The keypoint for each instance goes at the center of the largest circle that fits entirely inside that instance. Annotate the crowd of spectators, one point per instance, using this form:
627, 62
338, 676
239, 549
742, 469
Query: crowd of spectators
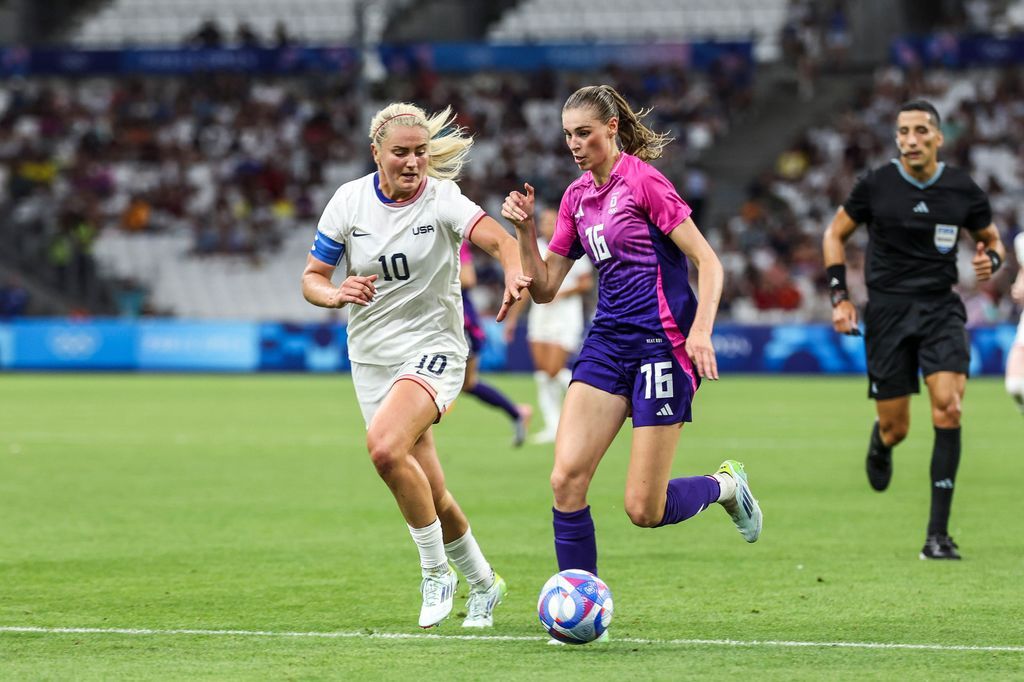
772, 245
239, 162
815, 36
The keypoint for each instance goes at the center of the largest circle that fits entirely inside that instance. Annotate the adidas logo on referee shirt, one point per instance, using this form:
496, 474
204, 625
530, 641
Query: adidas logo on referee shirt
665, 411
921, 207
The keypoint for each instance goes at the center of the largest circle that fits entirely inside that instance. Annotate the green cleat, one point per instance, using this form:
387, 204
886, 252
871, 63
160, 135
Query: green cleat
743, 508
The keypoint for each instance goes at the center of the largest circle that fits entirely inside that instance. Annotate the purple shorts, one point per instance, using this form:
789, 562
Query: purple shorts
658, 388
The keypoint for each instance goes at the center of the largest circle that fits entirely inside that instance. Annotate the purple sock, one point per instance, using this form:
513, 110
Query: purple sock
493, 396
688, 497
575, 544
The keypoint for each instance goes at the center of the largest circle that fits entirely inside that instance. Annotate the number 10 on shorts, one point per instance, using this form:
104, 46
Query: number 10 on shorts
657, 379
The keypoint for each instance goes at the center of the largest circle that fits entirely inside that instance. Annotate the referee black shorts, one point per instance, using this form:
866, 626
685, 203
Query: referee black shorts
906, 337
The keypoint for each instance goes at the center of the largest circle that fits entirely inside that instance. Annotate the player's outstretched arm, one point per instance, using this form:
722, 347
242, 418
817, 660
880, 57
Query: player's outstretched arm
546, 276
492, 238
710, 278
844, 314
318, 289
989, 253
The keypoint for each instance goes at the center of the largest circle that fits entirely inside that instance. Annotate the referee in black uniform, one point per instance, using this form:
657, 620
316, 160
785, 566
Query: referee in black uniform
914, 208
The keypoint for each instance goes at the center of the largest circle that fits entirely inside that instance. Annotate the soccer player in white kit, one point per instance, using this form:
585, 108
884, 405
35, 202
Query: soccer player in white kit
396, 233
555, 331
1015, 361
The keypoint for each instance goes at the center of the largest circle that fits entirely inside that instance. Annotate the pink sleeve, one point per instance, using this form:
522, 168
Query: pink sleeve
566, 240
465, 254
659, 198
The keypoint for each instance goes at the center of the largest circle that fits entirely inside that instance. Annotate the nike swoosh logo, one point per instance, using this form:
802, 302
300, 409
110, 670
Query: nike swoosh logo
357, 233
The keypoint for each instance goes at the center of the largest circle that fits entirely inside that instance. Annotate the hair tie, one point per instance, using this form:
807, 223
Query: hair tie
386, 121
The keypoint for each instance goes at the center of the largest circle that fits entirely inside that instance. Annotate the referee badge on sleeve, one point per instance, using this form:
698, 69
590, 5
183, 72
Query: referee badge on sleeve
945, 237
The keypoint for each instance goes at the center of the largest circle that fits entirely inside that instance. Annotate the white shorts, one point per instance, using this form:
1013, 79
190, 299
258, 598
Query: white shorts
439, 373
1019, 340
555, 323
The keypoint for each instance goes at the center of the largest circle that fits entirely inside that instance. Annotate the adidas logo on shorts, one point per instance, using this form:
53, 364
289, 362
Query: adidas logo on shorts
665, 411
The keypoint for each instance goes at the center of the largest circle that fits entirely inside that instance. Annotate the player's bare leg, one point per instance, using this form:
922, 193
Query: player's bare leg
889, 430
398, 433
591, 419
650, 467
405, 415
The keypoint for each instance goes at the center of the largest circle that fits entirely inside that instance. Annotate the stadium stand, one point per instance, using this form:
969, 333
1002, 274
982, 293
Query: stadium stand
540, 20
220, 23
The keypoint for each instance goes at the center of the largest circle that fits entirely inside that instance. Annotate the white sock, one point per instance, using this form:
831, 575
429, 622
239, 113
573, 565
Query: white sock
466, 555
564, 377
1015, 387
549, 408
726, 485
556, 394
430, 543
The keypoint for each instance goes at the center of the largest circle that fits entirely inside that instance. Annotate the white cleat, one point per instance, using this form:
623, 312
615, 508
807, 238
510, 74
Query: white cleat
543, 437
438, 590
744, 509
480, 607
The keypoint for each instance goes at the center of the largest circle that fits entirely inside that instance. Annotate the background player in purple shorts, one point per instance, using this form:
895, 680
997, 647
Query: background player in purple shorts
475, 335
650, 343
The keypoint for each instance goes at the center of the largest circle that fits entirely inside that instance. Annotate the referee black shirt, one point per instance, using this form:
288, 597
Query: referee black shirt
914, 227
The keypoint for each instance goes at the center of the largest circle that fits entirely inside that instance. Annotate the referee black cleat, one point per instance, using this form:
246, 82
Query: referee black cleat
879, 468
939, 547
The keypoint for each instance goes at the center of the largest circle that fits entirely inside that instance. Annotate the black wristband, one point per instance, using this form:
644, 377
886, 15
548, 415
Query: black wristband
837, 284
996, 260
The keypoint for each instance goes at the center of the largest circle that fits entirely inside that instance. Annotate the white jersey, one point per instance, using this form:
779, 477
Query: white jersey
413, 248
561, 320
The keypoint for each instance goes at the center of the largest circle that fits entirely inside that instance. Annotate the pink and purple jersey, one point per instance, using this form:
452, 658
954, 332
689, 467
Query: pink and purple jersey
645, 303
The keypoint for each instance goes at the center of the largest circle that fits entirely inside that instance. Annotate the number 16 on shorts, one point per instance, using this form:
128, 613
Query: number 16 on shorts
661, 394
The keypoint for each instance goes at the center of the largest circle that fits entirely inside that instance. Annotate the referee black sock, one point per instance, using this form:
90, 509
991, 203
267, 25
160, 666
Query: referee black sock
877, 449
945, 461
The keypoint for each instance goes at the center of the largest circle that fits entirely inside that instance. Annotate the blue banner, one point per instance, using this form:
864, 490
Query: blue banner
24, 62
68, 344
442, 57
779, 349
950, 50
192, 346
167, 345
469, 57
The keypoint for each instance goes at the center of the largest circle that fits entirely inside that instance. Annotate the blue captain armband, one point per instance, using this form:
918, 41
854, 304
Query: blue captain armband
326, 249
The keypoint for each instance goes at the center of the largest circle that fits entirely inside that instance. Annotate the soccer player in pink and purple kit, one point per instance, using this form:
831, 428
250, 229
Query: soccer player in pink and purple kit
650, 343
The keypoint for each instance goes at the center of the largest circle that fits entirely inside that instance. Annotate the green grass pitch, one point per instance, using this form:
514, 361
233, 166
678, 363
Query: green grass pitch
182, 507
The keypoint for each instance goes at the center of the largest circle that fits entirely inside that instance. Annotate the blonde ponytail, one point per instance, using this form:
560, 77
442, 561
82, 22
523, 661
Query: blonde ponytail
448, 145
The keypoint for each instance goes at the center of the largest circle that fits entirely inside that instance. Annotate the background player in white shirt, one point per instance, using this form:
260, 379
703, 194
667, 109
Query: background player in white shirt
1015, 361
396, 233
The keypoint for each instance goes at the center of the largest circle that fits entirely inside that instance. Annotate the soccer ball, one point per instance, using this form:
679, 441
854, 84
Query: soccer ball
575, 606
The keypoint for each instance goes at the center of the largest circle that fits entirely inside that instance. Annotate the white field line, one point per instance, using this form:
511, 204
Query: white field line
502, 638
